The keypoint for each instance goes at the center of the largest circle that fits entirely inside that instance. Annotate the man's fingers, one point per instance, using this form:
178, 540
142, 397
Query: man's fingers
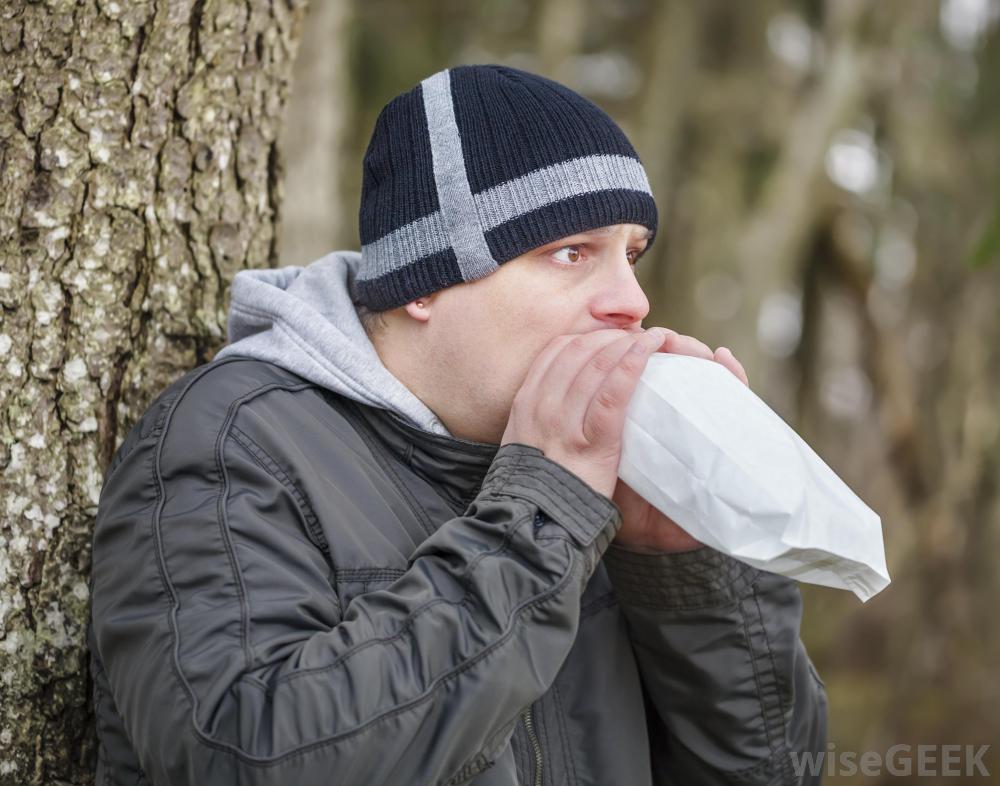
679, 344
725, 356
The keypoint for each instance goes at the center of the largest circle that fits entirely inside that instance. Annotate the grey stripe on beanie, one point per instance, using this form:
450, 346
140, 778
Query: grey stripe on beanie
559, 181
418, 239
454, 194
479, 164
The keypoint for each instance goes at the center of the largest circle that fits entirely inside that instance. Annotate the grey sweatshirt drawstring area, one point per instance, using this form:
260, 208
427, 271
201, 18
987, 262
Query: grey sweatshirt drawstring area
304, 320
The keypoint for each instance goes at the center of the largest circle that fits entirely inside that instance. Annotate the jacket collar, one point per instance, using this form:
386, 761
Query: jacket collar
454, 466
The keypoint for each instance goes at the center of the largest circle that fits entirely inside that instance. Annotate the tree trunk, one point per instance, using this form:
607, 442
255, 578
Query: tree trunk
138, 173
312, 141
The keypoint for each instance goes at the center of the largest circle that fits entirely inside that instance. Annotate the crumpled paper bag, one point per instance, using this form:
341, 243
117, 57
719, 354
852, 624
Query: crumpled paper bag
705, 450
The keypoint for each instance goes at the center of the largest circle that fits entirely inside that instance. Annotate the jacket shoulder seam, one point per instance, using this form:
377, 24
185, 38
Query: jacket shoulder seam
270, 465
152, 433
223, 480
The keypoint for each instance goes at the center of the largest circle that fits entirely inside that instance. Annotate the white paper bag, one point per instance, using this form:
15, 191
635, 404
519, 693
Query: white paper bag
709, 453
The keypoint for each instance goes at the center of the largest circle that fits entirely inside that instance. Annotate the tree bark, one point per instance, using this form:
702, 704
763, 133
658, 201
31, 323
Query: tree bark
138, 173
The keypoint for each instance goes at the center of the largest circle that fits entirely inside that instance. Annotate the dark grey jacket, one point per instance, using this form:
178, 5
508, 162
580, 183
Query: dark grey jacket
290, 587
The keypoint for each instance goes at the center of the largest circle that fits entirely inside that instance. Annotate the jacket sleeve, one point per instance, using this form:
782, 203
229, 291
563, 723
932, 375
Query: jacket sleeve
225, 674
732, 696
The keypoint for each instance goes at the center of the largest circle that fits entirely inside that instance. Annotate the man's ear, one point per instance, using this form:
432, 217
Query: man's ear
420, 308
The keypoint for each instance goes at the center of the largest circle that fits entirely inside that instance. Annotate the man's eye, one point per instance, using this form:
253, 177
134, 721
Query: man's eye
574, 254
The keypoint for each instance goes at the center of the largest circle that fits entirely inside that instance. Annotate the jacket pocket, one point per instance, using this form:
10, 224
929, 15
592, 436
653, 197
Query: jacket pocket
351, 582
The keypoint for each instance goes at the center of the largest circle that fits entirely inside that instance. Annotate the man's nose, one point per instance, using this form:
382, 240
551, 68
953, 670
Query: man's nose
621, 302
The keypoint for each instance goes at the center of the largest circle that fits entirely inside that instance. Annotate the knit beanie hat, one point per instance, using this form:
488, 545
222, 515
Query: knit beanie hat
478, 164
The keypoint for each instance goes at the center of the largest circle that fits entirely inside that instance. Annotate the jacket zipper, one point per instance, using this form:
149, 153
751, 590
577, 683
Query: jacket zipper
529, 726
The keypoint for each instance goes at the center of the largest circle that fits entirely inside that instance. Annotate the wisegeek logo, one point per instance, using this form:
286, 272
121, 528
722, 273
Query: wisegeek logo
919, 760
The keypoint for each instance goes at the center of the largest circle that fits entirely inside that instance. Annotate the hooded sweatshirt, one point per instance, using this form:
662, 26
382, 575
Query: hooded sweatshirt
304, 320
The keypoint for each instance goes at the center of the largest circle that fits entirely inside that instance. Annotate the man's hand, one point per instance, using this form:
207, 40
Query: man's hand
644, 528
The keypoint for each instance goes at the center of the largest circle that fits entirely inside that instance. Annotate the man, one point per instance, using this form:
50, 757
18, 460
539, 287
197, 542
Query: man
324, 558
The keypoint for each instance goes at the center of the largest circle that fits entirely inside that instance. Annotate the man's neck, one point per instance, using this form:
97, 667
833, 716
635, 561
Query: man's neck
424, 378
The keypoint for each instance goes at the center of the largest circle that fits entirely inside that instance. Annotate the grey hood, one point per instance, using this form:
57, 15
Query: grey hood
303, 319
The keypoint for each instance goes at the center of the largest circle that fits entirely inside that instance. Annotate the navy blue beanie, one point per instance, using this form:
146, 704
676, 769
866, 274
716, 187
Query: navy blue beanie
478, 164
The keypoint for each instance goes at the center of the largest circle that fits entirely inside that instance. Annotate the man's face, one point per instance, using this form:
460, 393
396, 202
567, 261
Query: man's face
483, 335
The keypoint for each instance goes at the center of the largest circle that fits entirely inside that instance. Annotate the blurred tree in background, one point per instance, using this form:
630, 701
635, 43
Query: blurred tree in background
828, 175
